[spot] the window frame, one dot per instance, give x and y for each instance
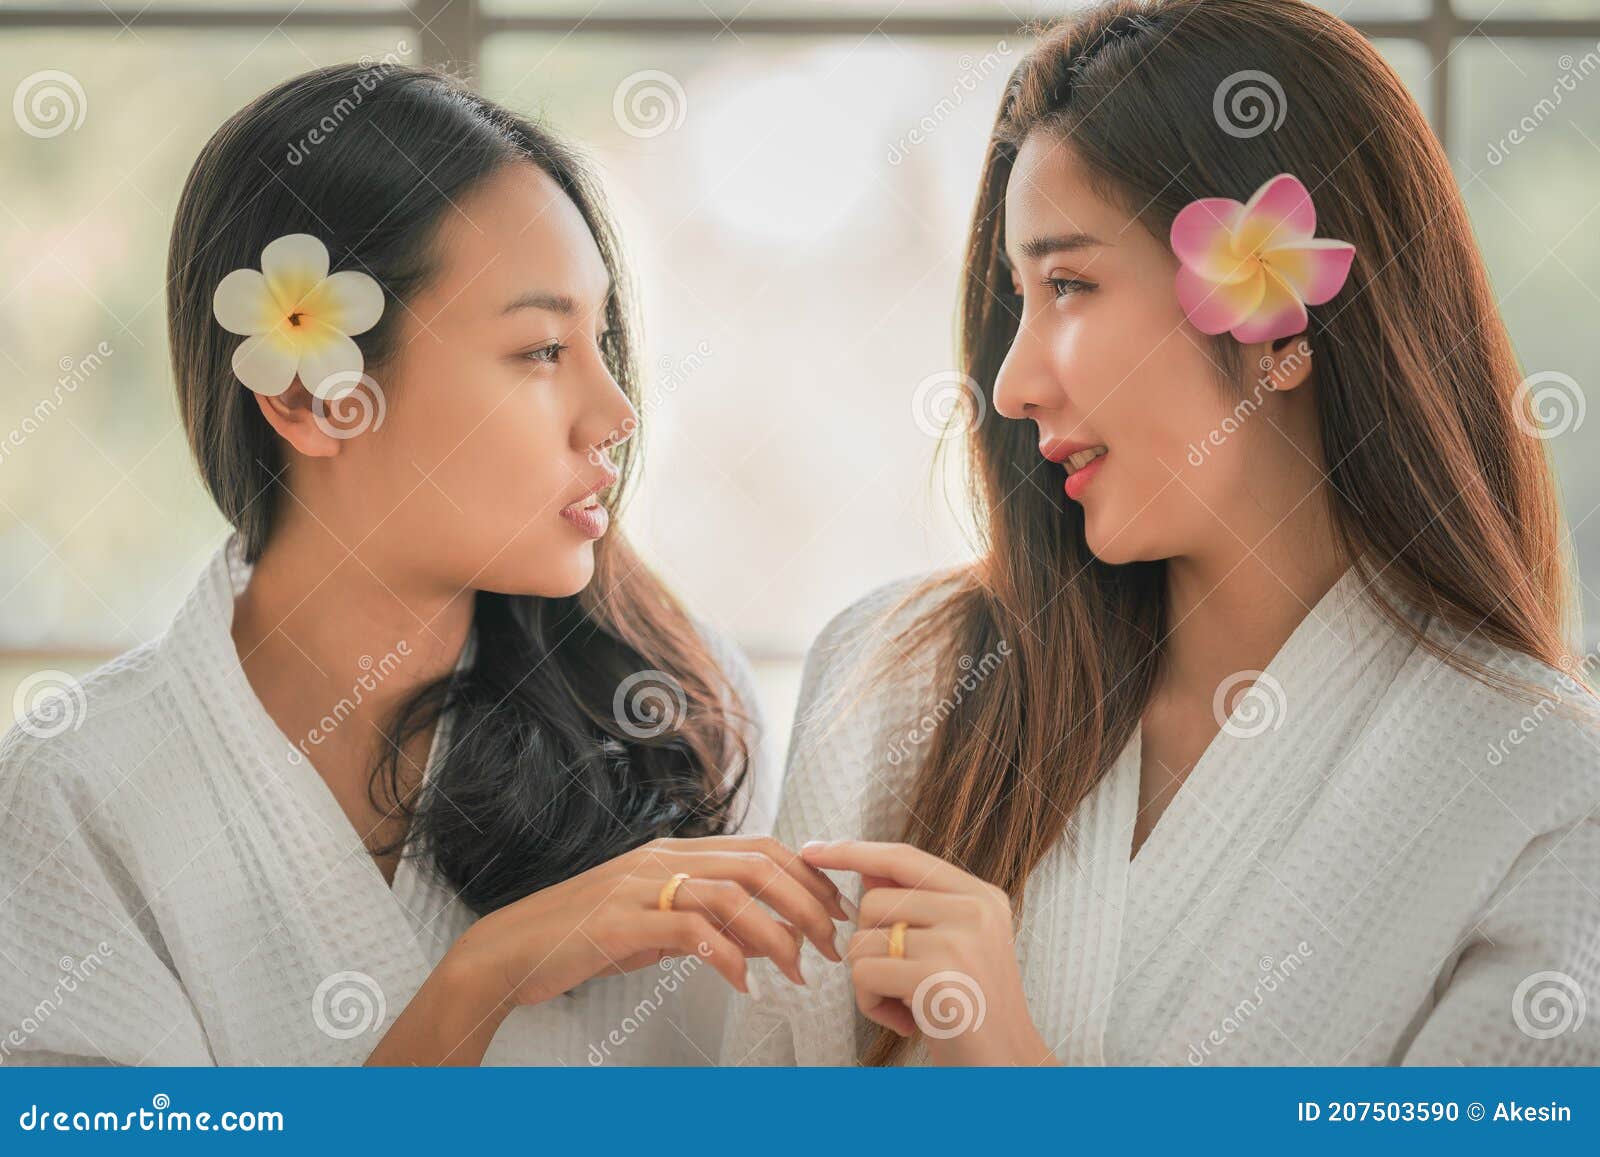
(451, 34)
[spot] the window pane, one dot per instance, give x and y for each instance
(1526, 143)
(797, 210)
(1522, 9)
(1410, 59)
(103, 523)
(131, 10)
(1018, 11)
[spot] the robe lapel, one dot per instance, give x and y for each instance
(291, 832)
(1073, 912)
(1252, 785)
(1283, 738)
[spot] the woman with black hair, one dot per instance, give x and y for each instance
(429, 768)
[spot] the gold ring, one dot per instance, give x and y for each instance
(897, 940)
(669, 891)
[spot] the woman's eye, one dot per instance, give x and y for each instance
(1064, 286)
(545, 355)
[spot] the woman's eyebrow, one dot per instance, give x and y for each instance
(553, 302)
(561, 303)
(1037, 247)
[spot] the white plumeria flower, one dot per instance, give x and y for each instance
(297, 320)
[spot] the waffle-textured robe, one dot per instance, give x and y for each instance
(1379, 860)
(176, 887)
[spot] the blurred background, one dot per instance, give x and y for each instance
(792, 178)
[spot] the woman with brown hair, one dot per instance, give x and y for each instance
(429, 767)
(1253, 735)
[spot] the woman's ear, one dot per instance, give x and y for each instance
(302, 421)
(1284, 364)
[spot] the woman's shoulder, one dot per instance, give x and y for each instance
(86, 735)
(1539, 726)
(869, 682)
(876, 664)
(877, 623)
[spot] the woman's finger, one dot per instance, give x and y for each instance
(767, 882)
(885, 906)
(880, 976)
(918, 942)
(907, 866)
(812, 879)
(892, 1014)
(731, 907)
(688, 934)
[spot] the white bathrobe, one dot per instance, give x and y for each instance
(1378, 861)
(177, 887)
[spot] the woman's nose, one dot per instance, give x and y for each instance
(610, 419)
(1024, 383)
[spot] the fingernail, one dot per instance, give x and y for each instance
(849, 907)
(752, 986)
(813, 845)
(838, 945)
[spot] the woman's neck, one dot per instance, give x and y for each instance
(1232, 609)
(325, 634)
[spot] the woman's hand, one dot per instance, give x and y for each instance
(607, 920)
(957, 982)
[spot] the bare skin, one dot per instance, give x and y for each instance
(1104, 356)
(499, 412)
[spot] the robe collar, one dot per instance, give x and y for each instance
(1309, 703)
(289, 819)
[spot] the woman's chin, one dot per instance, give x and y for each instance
(1112, 542)
(545, 577)
(575, 573)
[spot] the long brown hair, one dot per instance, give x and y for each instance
(1415, 382)
(584, 725)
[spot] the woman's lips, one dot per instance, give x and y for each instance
(588, 516)
(1081, 469)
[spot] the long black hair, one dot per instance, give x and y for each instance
(583, 726)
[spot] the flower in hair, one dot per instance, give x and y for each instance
(297, 320)
(1253, 268)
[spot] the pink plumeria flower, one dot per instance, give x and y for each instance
(1253, 268)
(297, 320)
